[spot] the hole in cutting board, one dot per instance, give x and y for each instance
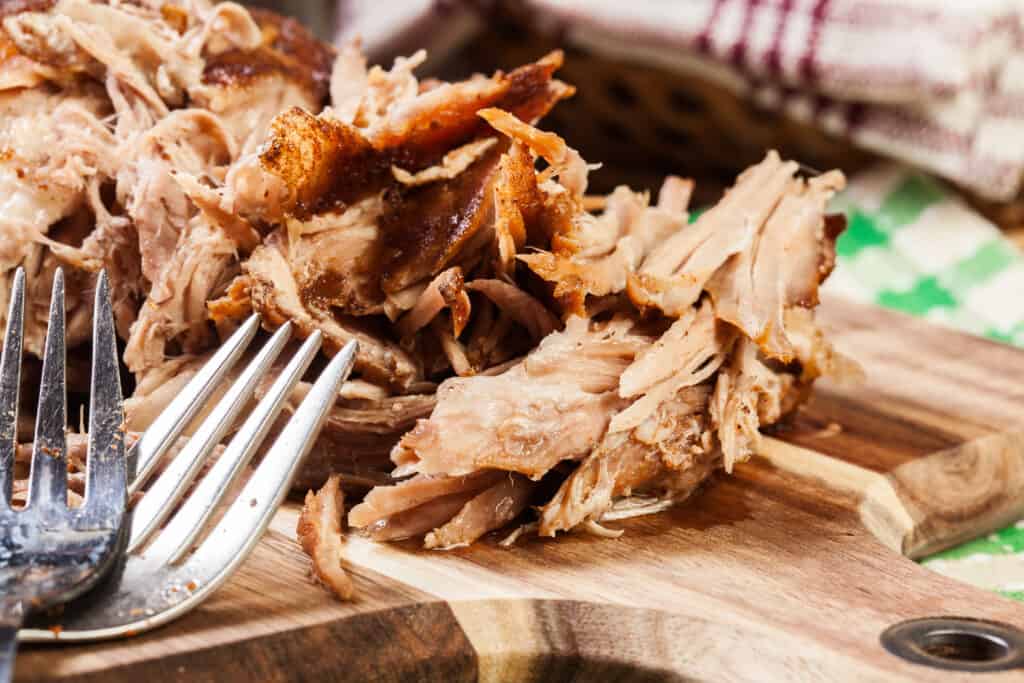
(959, 644)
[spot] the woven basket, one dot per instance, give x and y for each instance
(643, 121)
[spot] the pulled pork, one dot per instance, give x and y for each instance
(680, 342)
(219, 161)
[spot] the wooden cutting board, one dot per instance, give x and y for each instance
(789, 569)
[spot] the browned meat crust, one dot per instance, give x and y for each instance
(326, 163)
(286, 48)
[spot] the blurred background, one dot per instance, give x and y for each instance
(919, 102)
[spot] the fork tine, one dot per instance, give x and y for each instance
(159, 500)
(106, 470)
(49, 476)
(244, 522)
(10, 385)
(173, 420)
(181, 531)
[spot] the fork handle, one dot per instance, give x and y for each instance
(10, 622)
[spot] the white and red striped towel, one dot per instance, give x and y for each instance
(937, 83)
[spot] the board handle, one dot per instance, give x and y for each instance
(942, 500)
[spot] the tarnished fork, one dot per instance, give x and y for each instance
(170, 567)
(49, 552)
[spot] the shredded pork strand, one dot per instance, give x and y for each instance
(319, 533)
(491, 509)
(552, 407)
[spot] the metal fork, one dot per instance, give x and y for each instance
(170, 576)
(49, 553)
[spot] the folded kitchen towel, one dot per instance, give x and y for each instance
(937, 84)
(914, 246)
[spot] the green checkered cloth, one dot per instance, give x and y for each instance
(914, 246)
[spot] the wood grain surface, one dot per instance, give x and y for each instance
(788, 569)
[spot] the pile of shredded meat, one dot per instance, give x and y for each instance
(522, 361)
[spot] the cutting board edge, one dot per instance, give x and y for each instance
(929, 504)
(944, 499)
